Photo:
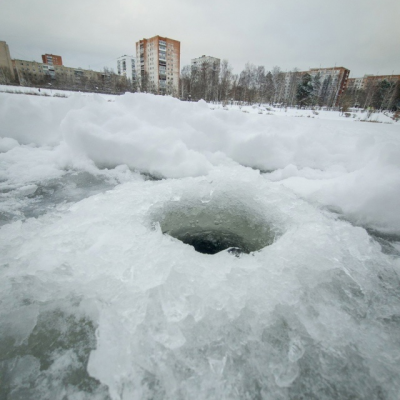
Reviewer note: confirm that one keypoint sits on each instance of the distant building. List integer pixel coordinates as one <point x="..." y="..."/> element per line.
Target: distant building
<point x="368" y="80"/>
<point x="206" y="61"/>
<point x="355" y="83"/>
<point x="158" y="64"/>
<point x="6" y="62"/>
<point x="52" y="59"/>
<point x="53" y="73"/>
<point x="30" y="71"/>
<point x="126" y="66"/>
<point x="35" y="72"/>
<point x="333" y="82"/>
<point x="337" y="76"/>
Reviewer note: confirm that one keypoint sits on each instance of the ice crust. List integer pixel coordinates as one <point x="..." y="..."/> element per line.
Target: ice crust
<point x="98" y="303"/>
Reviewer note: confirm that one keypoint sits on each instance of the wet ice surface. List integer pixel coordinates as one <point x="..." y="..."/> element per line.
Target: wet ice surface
<point x="98" y="303"/>
<point x="104" y="296"/>
<point x="35" y="199"/>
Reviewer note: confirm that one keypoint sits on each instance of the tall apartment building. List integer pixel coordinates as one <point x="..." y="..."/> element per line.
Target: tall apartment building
<point x="126" y="66"/>
<point x="52" y="59"/>
<point x="208" y="61"/>
<point x="158" y="60"/>
<point x="5" y="60"/>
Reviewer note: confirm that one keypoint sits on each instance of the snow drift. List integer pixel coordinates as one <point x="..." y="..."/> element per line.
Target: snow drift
<point x="344" y="164"/>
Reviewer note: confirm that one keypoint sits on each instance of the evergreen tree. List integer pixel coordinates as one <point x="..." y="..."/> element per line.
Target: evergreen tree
<point x="304" y="91"/>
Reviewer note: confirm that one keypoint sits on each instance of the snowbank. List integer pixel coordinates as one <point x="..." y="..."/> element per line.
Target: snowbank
<point x="339" y="163"/>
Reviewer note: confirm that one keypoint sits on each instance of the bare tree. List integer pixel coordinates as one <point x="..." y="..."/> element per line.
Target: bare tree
<point x="292" y="80"/>
<point x="225" y="81"/>
<point x="269" y="88"/>
<point x="279" y="83"/>
<point x="5" y="76"/>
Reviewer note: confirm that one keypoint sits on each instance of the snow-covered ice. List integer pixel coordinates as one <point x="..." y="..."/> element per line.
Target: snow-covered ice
<point x="98" y="303"/>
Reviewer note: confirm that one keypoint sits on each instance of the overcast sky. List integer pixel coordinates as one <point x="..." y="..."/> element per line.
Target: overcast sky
<point x="362" y="35"/>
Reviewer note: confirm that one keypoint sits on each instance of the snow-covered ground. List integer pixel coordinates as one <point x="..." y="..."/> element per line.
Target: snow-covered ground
<point x="46" y="92"/>
<point x="98" y="303"/>
<point x="354" y="114"/>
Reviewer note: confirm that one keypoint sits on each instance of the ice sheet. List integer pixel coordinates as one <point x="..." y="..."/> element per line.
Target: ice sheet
<point x="98" y="303"/>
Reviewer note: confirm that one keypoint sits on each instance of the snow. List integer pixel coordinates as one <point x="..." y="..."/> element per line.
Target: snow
<point x="97" y="302"/>
<point x="339" y="163"/>
<point x="353" y="115"/>
<point x="47" y="92"/>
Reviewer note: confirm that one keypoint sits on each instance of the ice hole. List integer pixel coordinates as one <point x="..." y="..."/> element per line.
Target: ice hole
<point x="216" y="226"/>
<point x="212" y="241"/>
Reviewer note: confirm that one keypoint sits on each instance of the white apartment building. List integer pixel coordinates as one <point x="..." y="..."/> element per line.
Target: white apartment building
<point x="358" y="83"/>
<point x="158" y="62"/>
<point x="126" y="66"/>
<point x="206" y="60"/>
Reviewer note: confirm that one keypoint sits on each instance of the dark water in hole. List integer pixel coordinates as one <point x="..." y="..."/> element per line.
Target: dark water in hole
<point x="221" y="224"/>
<point x="213" y="241"/>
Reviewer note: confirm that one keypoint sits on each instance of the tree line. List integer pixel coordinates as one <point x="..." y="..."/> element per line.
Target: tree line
<point x="375" y="94"/>
<point x="217" y="83"/>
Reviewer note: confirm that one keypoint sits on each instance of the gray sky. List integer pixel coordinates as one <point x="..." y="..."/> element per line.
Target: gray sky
<point x="362" y="35"/>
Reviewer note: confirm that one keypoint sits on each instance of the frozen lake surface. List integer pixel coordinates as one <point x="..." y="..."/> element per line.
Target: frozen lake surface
<point x="293" y="292"/>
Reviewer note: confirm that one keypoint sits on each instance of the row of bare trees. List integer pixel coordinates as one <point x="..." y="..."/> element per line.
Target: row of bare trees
<point x="254" y="85"/>
<point x="257" y="85"/>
